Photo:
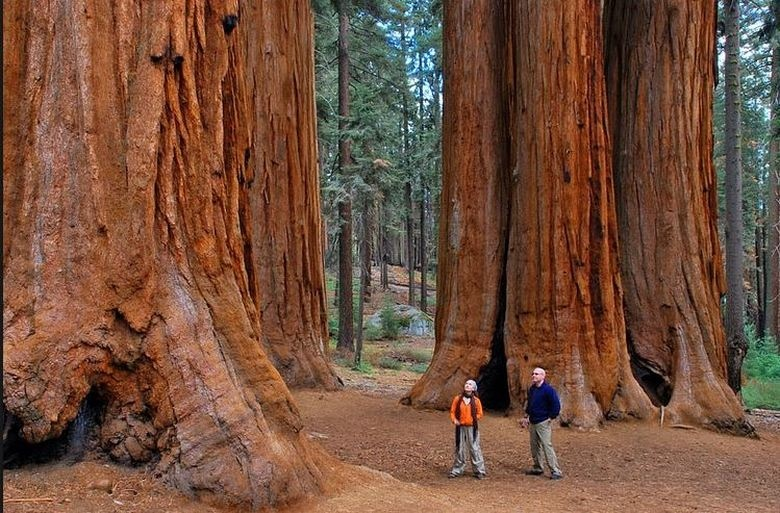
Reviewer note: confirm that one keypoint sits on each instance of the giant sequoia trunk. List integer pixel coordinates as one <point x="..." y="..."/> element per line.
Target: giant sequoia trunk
<point x="660" y="78"/>
<point x="472" y="236"/>
<point x="128" y="133"/>
<point x="284" y="195"/>
<point x="528" y="271"/>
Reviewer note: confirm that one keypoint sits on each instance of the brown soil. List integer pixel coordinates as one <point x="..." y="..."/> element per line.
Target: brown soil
<point x="403" y="456"/>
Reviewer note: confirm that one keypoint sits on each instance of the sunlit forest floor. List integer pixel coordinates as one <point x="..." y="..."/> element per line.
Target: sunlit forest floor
<point x="402" y="457"/>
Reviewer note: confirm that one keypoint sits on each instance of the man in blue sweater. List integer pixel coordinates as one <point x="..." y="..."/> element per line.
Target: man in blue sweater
<point x="542" y="407"/>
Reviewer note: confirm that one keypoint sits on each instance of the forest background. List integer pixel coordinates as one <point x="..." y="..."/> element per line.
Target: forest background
<point x="393" y="181"/>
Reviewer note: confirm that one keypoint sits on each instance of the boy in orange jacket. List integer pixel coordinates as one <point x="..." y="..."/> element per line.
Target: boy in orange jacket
<point x="465" y="412"/>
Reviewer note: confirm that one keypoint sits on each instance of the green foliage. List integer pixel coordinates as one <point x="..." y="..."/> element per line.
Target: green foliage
<point x="391" y="324"/>
<point x="762" y="361"/>
<point x="333" y="326"/>
<point x="761" y="394"/>
<point x="762" y="368"/>
<point x="387" y="362"/>
<point x="364" y="367"/>
<point x="373" y="332"/>
<point x="419" y="368"/>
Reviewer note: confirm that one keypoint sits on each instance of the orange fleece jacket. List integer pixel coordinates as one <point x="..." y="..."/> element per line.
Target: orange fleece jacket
<point x="465" y="410"/>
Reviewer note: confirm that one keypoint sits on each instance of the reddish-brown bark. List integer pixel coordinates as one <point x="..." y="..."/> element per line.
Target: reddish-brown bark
<point x="529" y="269"/>
<point x="282" y="183"/>
<point x="563" y="285"/>
<point x="127" y="270"/>
<point x="660" y="77"/>
<point x="472" y="236"/>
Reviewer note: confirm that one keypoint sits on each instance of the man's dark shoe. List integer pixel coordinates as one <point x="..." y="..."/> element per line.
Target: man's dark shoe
<point x="533" y="472"/>
<point x="556" y="475"/>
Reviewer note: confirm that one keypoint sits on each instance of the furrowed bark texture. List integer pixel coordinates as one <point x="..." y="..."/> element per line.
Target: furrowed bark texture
<point x="127" y="270"/>
<point x="472" y="236"/>
<point x="563" y="284"/>
<point x="531" y="246"/>
<point x="528" y="274"/>
<point x="284" y="193"/>
<point x="659" y="75"/>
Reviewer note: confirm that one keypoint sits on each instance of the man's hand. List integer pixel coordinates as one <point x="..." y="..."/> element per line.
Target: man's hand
<point x="524" y="422"/>
<point x="457" y="422"/>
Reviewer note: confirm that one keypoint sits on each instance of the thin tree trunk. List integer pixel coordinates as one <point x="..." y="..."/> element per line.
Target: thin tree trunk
<point x="659" y="79"/>
<point x="423" y="257"/>
<point x="365" y="269"/>
<point x="383" y="249"/>
<point x="409" y="240"/>
<point x="127" y="262"/>
<point x="735" y="294"/>
<point x="760" y="280"/>
<point x="346" y="313"/>
<point x="407" y="166"/>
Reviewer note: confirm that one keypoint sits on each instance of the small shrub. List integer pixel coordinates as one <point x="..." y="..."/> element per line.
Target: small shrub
<point x="388" y="362"/>
<point x="373" y="332"/>
<point x="333" y="326"/>
<point x="761" y="394"/>
<point x="412" y="355"/>
<point x="419" y="368"/>
<point x="389" y="322"/>
<point x="364" y="367"/>
<point x="762" y="361"/>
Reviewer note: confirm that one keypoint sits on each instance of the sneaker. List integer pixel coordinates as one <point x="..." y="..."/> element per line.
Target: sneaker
<point x="452" y="475"/>
<point x="556" y="476"/>
<point x="533" y="471"/>
<point x="480" y="476"/>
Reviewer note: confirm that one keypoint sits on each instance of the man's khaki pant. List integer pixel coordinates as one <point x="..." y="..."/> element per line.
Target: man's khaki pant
<point x="541" y="446"/>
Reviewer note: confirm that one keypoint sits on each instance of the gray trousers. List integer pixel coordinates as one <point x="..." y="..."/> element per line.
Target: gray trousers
<point x="541" y="446"/>
<point x="468" y="442"/>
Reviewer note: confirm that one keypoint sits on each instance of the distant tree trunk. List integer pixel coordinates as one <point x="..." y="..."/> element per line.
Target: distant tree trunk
<point x="735" y="296"/>
<point x="409" y="240"/>
<point x="127" y="262"/>
<point x="772" y="260"/>
<point x="423" y="258"/>
<point x="760" y="237"/>
<point x="286" y="186"/>
<point x="346" y="342"/>
<point x="407" y="167"/>
<point x="660" y="91"/>
<point x="421" y="133"/>
<point x="384" y="279"/>
<point x="365" y="269"/>
<point x="366" y="244"/>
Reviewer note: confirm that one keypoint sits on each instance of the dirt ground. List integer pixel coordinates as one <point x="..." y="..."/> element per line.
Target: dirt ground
<point x="402" y="458"/>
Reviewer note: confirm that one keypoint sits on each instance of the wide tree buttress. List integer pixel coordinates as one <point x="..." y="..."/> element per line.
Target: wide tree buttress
<point x="660" y="78"/>
<point x="530" y="278"/>
<point x="474" y="204"/>
<point x="129" y="130"/>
